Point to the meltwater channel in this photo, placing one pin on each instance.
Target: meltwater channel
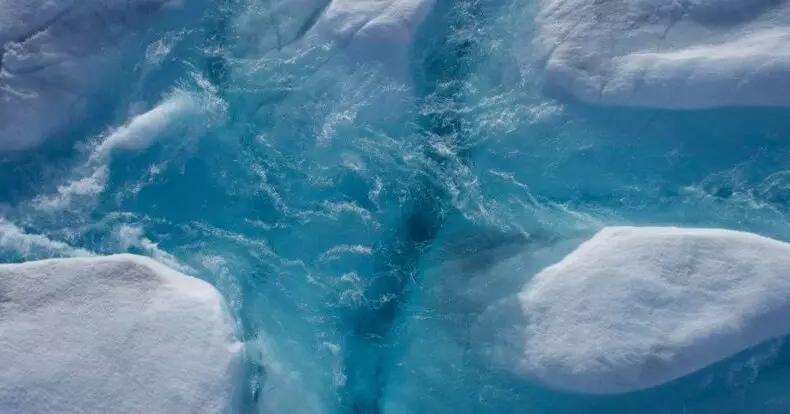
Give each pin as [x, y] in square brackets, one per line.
[364, 182]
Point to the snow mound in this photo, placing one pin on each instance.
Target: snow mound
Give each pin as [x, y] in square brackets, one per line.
[55, 54]
[116, 334]
[373, 30]
[675, 55]
[634, 307]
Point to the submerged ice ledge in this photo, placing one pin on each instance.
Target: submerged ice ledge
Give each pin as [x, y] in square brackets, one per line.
[121, 334]
[633, 308]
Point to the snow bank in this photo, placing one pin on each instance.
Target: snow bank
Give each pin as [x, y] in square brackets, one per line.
[633, 308]
[373, 27]
[55, 54]
[117, 334]
[373, 30]
[362, 31]
[643, 53]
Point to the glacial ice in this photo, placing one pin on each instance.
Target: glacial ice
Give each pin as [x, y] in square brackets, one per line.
[636, 307]
[119, 334]
[679, 55]
[55, 55]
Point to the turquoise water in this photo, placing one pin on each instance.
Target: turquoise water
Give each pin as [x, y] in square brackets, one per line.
[328, 204]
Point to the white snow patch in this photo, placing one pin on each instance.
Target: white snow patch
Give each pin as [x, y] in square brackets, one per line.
[120, 334]
[373, 30]
[347, 32]
[633, 308]
[55, 54]
[677, 55]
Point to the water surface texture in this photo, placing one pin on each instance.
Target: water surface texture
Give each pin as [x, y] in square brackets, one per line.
[349, 195]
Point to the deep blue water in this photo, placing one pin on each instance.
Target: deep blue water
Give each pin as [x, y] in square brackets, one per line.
[332, 210]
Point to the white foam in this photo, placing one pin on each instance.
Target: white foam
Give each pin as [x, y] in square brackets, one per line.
[633, 308]
[16, 239]
[121, 334]
[87, 185]
[338, 251]
[130, 236]
[180, 114]
[668, 55]
[142, 130]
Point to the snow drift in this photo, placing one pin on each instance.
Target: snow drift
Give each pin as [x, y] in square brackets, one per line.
[56, 55]
[119, 334]
[633, 308]
[679, 55]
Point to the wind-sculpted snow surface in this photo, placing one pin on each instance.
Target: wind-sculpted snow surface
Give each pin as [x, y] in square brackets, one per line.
[635, 307]
[57, 55]
[695, 54]
[115, 334]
